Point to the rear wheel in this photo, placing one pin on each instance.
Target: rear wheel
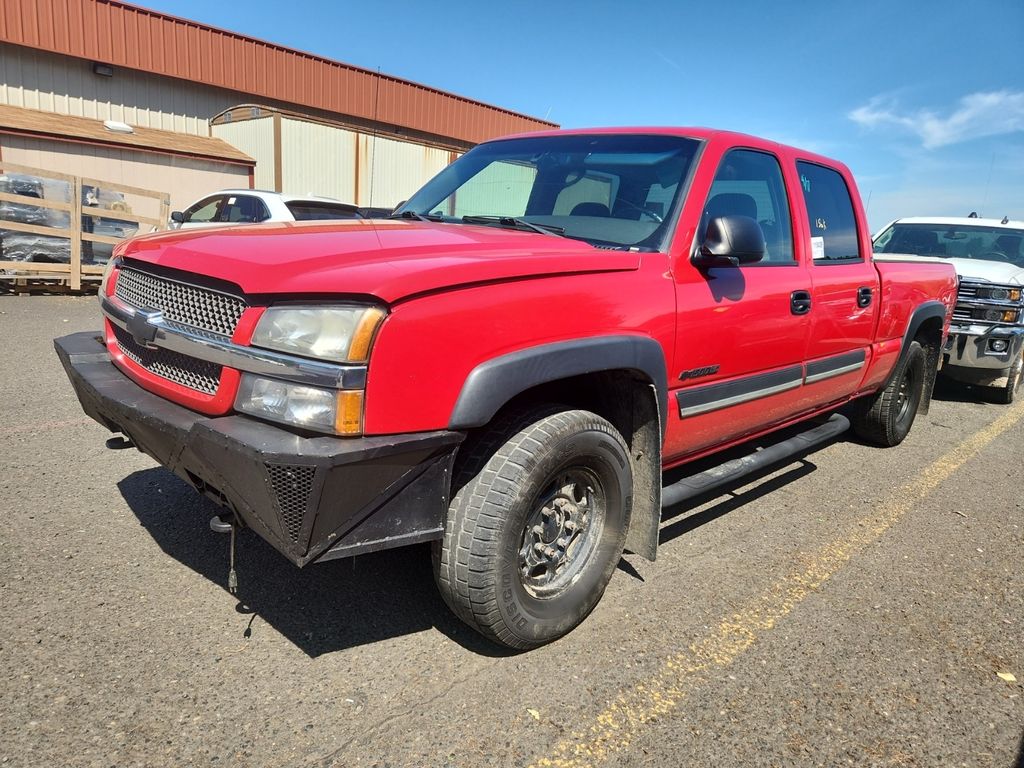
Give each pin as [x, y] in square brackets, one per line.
[886, 418]
[537, 529]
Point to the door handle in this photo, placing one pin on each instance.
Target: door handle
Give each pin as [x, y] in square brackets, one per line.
[863, 296]
[800, 302]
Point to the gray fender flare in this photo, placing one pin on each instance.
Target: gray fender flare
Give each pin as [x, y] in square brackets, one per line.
[929, 310]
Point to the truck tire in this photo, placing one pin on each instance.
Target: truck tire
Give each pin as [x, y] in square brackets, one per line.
[1008, 392]
[886, 418]
[537, 527]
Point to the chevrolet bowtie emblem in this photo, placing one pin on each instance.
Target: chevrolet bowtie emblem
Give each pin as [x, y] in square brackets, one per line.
[143, 324]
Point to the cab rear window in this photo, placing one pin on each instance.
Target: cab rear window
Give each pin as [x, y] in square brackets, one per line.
[312, 210]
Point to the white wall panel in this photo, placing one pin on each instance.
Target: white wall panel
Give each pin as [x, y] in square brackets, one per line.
[256, 139]
[391, 171]
[318, 159]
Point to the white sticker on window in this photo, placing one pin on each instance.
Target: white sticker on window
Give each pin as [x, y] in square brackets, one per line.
[231, 200]
[818, 247]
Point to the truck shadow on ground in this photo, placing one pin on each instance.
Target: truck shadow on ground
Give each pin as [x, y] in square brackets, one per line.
[342, 604]
[949, 391]
[322, 608]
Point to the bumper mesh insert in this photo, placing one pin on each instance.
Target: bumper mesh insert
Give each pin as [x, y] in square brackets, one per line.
[292, 485]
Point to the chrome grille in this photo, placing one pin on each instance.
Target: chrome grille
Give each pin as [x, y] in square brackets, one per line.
[292, 485]
[173, 366]
[183, 304]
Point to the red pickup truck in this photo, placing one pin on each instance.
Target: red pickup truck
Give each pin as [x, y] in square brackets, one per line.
[508, 364]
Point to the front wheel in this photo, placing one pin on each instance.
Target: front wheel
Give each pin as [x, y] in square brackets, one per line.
[537, 529]
[886, 418]
[1008, 392]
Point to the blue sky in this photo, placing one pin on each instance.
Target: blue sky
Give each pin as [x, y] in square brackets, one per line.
[923, 100]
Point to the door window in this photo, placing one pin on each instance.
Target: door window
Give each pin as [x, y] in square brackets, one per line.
[244, 209]
[204, 211]
[749, 183]
[830, 214]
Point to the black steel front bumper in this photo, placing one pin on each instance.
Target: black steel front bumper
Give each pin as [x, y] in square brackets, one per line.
[312, 498]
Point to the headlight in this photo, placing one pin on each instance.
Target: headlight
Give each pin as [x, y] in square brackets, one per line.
[339, 334]
[322, 410]
[1000, 294]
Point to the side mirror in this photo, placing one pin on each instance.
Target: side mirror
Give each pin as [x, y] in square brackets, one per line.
[729, 242]
[177, 217]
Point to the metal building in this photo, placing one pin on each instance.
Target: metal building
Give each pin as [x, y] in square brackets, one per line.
[262, 114]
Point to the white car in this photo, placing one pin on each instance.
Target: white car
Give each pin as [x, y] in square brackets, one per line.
[986, 337]
[252, 206]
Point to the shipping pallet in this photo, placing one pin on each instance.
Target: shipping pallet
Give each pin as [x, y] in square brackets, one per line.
[35, 284]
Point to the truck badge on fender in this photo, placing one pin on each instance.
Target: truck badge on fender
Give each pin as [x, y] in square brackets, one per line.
[696, 373]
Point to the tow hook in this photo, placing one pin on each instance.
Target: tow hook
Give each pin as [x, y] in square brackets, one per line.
[228, 523]
[222, 523]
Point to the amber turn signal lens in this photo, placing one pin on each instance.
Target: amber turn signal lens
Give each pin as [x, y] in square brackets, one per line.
[348, 419]
[1010, 316]
[359, 349]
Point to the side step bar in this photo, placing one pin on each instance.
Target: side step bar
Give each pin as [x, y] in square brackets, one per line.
[730, 471]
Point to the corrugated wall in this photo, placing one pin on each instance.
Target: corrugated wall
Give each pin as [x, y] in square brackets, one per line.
[390, 171]
[317, 159]
[52, 83]
[141, 39]
[333, 161]
[256, 139]
[184, 179]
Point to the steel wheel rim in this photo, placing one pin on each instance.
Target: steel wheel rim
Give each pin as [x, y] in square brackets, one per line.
[904, 395]
[562, 530]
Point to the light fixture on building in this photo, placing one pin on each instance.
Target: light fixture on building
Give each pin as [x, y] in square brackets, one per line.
[103, 70]
[117, 126]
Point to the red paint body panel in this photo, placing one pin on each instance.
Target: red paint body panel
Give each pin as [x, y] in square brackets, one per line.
[427, 347]
[389, 261]
[459, 296]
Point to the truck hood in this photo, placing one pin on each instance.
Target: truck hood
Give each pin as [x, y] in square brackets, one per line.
[973, 269]
[390, 260]
[993, 271]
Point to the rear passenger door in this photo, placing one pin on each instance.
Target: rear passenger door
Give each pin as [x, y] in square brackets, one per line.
[844, 287]
[740, 343]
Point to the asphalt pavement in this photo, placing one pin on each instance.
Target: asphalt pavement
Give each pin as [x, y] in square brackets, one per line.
[860, 607]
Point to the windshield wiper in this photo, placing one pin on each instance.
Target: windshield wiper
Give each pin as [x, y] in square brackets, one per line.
[417, 216]
[513, 223]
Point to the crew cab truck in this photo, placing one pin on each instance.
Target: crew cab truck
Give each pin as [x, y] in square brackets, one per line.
[506, 366]
[985, 345]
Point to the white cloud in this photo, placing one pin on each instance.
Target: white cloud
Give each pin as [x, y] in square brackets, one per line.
[987, 113]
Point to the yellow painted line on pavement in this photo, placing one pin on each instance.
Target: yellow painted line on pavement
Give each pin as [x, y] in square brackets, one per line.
[614, 729]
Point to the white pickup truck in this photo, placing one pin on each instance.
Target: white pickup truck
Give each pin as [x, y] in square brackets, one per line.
[986, 337]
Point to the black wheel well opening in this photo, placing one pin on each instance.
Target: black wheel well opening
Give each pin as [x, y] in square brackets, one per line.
[929, 336]
[606, 393]
[628, 400]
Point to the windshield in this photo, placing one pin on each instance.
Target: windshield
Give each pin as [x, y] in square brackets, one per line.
[954, 242]
[618, 191]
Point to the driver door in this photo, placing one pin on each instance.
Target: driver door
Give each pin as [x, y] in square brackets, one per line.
[741, 331]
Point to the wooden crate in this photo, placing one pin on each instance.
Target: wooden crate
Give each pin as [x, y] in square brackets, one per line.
[74, 274]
